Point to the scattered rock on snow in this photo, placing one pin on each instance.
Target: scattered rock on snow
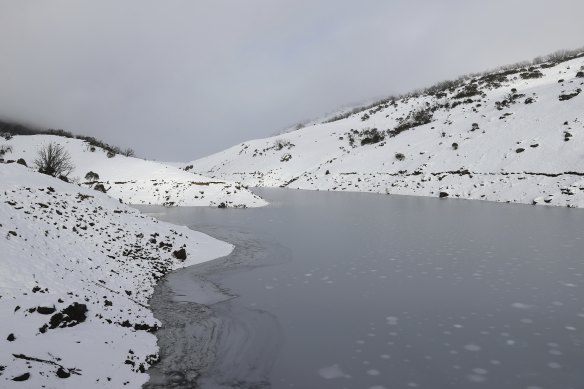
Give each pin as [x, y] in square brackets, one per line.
[69, 317]
[62, 373]
[22, 377]
[46, 310]
[180, 254]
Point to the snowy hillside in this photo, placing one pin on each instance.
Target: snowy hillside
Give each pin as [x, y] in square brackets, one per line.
[135, 180]
[76, 271]
[515, 135]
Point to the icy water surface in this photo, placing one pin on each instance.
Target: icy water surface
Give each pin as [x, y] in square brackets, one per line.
[349, 290]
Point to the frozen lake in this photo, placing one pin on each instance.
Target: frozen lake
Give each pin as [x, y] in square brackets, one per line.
[349, 290]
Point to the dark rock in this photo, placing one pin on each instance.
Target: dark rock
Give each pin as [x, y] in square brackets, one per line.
[100, 188]
[22, 377]
[570, 95]
[222, 205]
[69, 317]
[520, 150]
[11, 338]
[180, 254]
[46, 310]
[145, 327]
[443, 195]
[62, 373]
[21, 161]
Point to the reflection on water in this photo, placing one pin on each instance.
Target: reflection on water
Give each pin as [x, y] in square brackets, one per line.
[348, 290]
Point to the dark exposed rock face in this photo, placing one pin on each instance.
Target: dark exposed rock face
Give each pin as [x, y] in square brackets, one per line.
[22, 377]
[180, 254]
[62, 373]
[46, 310]
[69, 317]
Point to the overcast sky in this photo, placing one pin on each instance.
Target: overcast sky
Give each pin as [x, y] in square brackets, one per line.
[180, 79]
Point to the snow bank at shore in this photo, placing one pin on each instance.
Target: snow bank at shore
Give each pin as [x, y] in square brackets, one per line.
[77, 268]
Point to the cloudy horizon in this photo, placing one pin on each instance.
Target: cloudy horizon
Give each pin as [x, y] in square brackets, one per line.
[180, 80]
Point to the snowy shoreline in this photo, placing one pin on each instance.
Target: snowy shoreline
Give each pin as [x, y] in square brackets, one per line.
[77, 270]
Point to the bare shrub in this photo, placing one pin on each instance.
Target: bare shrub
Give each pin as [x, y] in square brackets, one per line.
[128, 152]
[5, 149]
[54, 160]
[279, 144]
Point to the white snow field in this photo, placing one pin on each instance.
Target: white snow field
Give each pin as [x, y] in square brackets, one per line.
[513, 136]
[76, 270]
[134, 180]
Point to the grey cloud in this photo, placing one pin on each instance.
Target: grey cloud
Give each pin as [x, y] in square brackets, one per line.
[177, 80]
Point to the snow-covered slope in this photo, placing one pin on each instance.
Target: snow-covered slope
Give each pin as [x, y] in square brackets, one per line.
[76, 271]
[515, 135]
[134, 180]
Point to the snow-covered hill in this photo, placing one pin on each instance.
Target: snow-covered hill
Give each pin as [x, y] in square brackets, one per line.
[76, 271]
[134, 180]
[515, 135]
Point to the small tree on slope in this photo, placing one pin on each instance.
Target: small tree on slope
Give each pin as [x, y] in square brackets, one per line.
[54, 160]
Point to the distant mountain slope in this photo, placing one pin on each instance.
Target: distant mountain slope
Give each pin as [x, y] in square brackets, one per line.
[134, 180]
[515, 135]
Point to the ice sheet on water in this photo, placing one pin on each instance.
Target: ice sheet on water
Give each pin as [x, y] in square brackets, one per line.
[331, 372]
[521, 306]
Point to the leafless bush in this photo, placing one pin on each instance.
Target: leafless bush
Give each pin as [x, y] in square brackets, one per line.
[54, 160]
[279, 144]
[4, 149]
[128, 152]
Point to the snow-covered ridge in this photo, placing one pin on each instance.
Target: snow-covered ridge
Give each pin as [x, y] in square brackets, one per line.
[76, 271]
[134, 180]
[514, 136]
